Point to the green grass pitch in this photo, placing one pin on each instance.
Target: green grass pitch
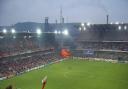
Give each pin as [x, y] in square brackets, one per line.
[74, 74]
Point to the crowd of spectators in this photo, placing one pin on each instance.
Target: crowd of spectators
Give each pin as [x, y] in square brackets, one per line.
[16, 65]
[21, 52]
[11, 46]
[104, 49]
[106, 45]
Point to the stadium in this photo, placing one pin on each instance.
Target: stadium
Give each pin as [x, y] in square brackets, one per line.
[90, 51]
[95, 57]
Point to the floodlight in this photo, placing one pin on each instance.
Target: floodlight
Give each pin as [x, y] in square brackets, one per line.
[111, 23]
[125, 27]
[38, 31]
[13, 31]
[25, 37]
[4, 31]
[82, 24]
[65, 32]
[84, 28]
[117, 23]
[55, 32]
[119, 27]
[88, 24]
[30, 37]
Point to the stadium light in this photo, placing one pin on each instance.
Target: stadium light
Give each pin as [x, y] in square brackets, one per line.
[25, 37]
[82, 24]
[13, 31]
[111, 23]
[125, 27]
[88, 24]
[84, 28]
[38, 31]
[65, 32]
[30, 37]
[4, 31]
[117, 23]
[55, 32]
[119, 27]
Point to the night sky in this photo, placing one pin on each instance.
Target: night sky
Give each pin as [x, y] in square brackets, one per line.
[93, 11]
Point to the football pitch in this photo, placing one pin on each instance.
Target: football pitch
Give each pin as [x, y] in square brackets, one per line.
[74, 74]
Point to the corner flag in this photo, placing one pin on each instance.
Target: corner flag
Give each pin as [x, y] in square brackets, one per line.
[44, 81]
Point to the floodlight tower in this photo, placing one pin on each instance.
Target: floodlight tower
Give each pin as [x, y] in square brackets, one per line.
[107, 19]
[61, 15]
[61, 27]
[46, 29]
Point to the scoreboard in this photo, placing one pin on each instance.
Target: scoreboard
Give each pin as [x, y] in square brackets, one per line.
[88, 52]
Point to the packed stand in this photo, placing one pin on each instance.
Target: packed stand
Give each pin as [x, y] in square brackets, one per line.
[15, 66]
[10, 46]
[108, 45]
